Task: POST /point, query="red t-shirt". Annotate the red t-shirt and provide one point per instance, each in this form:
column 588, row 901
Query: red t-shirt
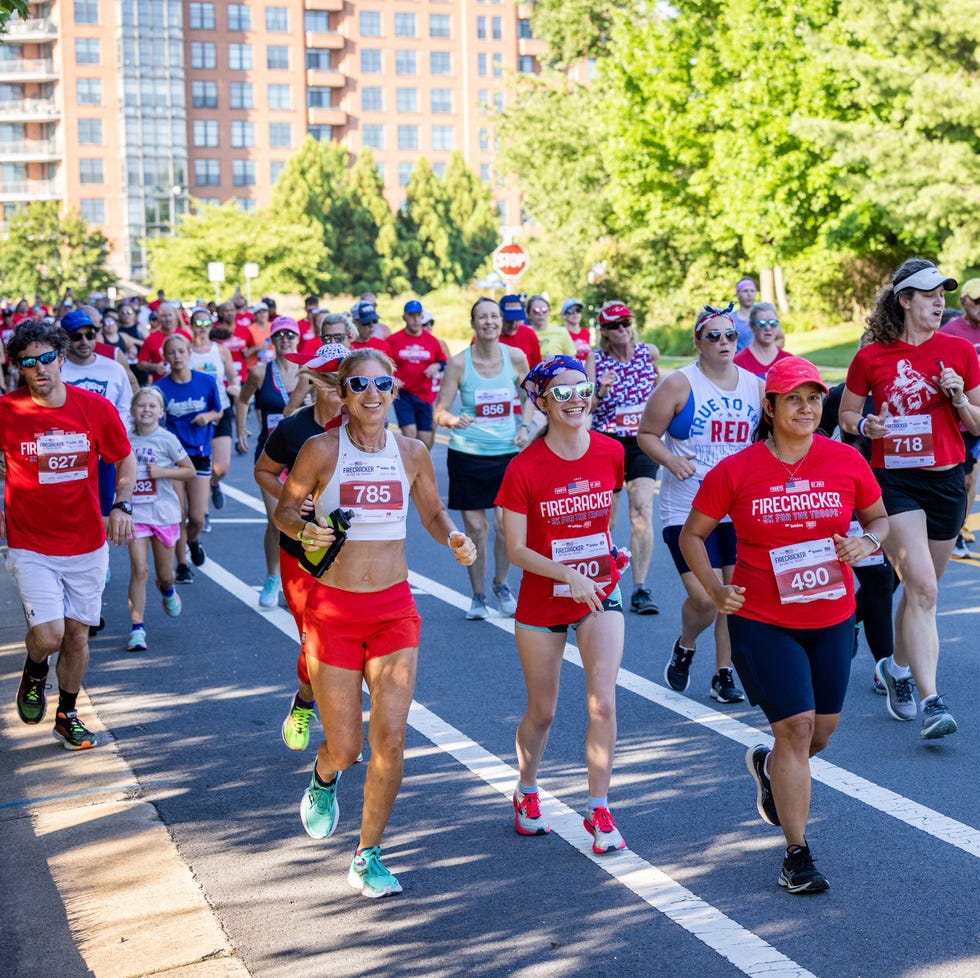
column 746, row 359
column 309, row 340
column 901, row 376
column 567, row 506
column 235, row 344
column 770, row 510
column 412, row 355
column 373, row 343
column 53, row 507
column 961, row 328
column 526, row 340
column 582, row 338
column 244, row 318
column 152, row 349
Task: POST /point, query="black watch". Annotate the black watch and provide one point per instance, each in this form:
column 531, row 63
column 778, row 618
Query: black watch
column 125, row 506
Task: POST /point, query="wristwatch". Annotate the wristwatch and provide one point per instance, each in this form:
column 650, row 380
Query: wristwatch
column 873, row 538
column 125, row 506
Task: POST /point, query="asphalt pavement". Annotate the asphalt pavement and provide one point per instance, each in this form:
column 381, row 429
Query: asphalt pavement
column 175, row 847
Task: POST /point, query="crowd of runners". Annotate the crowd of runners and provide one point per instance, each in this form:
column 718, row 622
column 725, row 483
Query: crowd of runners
column 125, row 415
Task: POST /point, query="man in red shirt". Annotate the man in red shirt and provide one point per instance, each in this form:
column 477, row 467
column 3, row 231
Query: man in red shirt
column 418, row 358
column 151, row 352
column 365, row 317
column 52, row 436
column 309, row 341
column 516, row 332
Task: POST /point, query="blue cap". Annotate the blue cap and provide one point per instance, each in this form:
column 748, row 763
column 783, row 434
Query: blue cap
column 75, row 319
column 571, row 304
column 512, row 308
column 413, row 305
column 364, row 312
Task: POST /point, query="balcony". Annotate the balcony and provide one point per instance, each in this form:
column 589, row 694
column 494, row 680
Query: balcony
column 318, row 78
column 325, row 39
column 28, row 70
column 21, row 31
column 334, row 6
column 534, row 46
column 17, row 190
column 30, row 150
column 525, row 10
column 29, row 110
column 322, row 116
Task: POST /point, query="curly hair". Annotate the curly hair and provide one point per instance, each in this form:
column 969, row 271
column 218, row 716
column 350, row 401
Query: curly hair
column 30, row 331
column 886, row 323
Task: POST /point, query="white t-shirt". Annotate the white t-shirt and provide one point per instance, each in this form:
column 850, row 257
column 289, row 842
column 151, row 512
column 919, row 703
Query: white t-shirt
column 101, row 376
column 155, row 501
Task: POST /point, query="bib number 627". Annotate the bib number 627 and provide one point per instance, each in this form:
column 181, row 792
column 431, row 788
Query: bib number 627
column 57, row 462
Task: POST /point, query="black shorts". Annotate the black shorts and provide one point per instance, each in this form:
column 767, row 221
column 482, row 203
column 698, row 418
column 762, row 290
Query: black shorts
column 970, row 446
column 787, row 671
column 612, row 602
column 223, row 428
column 412, row 410
column 940, row 495
column 720, row 544
column 474, row 480
column 638, row 465
column 202, row 465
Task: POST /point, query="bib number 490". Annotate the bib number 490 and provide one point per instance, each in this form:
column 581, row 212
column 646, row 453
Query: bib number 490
column 808, row 579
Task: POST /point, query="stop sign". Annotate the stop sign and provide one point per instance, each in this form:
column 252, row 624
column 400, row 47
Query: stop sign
column 510, row 260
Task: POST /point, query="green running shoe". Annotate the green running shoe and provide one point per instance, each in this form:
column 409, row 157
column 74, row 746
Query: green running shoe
column 319, row 809
column 368, row 874
column 296, row 726
column 32, row 701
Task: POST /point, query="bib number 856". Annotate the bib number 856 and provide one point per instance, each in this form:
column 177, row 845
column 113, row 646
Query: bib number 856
column 810, row 578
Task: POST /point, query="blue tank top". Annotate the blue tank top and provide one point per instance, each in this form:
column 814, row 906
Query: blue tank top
column 270, row 400
column 490, row 402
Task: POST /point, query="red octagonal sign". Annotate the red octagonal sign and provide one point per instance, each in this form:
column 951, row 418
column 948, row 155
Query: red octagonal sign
column 510, row 260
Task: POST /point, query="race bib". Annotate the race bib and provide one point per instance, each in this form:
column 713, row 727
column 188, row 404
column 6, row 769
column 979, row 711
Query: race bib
column 376, row 494
column 807, row 572
column 62, row 457
column 628, row 419
column 272, row 422
column 493, row 405
column 876, row 558
column 145, row 490
column 908, row 444
column 588, row 555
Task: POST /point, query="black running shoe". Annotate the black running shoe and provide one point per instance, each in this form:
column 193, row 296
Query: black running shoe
column 32, row 701
column 755, row 761
column 723, row 687
column 197, row 552
column 799, row 875
column 678, row 670
column 72, row 733
column 184, row 574
column 642, row 602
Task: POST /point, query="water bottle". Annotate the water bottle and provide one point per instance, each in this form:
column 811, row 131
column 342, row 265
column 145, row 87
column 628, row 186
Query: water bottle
column 316, row 562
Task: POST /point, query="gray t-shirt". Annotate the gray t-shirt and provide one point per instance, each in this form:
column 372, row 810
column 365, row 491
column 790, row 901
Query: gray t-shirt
column 155, row 501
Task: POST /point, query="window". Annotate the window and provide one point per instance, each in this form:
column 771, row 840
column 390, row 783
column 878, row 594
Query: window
column 89, row 91
column 204, row 95
column 404, row 25
column 207, row 173
column 277, row 57
column 370, row 23
column 318, row 59
column 439, row 26
column 408, row 137
column 240, row 57
column 239, row 17
column 90, row 132
column 277, row 20
column 242, row 134
column 484, row 140
column 381, row 171
column 319, row 98
column 243, row 173
column 280, row 135
column 481, row 65
column 405, row 63
column 374, row 137
column 481, row 28
column 483, row 99
column 90, row 171
column 322, row 134
column 93, row 210
column 485, row 172
column 204, row 54
column 202, row 16
column 524, row 29
column 205, row 132
column 498, row 101
column 240, row 95
column 86, row 11
column 86, row 50
column 407, row 99
column 280, row 97
column 442, row 100
column 498, row 28
column 316, row 21
column 443, row 137
column 275, row 168
column 525, row 64
column 370, row 61
column 245, row 203
column 404, row 173
column 498, row 65
column 440, row 63
column 372, row 99
column 439, row 169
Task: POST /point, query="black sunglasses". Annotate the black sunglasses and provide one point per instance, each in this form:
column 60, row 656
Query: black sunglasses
column 27, row 363
column 619, row 324
column 715, row 335
column 81, row 335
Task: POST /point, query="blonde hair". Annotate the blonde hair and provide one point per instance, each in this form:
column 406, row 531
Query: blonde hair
column 153, row 392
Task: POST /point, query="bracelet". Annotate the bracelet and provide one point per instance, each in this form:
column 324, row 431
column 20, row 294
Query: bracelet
column 454, row 533
column 962, row 403
column 861, row 424
column 522, row 425
column 299, row 533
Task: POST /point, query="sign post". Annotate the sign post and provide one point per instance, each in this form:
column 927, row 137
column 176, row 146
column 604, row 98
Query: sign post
column 216, row 274
column 510, row 261
column 250, row 270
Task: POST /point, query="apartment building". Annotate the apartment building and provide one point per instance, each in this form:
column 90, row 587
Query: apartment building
column 136, row 111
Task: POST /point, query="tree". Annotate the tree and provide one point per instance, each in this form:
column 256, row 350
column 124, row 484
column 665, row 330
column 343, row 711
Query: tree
column 423, row 229
column 11, row 8
column 470, row 212
column 45, row 251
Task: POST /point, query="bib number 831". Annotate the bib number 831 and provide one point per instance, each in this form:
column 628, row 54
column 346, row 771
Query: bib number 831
column 810, row 578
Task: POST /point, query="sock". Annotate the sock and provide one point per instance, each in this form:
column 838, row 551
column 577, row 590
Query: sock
column 523, row 789
column 896, row 671
column 66, row 701
column 594, row 803
column 765, row 766
column 684, row 648
column 138, row 624
column 36, row 670
column 297, row 701
column 927, row 699
column 320, row 783
column 167, row 590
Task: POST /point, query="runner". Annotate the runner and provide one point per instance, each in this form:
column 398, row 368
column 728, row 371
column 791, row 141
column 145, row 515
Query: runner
column 791, row 496
column 704, row 413
column 361, row 624
column 763, row 351
column 161, row 460
column 571, row 313
column 418, row 358
column 557, row 497
column 485, row 437
column 924, row 385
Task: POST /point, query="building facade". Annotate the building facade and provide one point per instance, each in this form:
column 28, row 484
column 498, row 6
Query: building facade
column 137, row 111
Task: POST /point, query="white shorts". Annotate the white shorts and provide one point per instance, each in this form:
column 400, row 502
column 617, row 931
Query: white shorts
column 52, row 588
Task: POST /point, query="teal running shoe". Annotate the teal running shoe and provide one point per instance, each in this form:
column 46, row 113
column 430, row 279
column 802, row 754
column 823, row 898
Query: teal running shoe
column 368, row 874
column 319, row 809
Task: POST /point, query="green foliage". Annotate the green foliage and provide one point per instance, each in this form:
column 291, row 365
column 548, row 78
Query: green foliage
column 45, row 251
column 424, row 232
column 9, row 8
column 470, row 217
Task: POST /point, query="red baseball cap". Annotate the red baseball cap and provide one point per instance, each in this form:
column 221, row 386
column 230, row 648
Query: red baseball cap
column 613, row 311
column 326, row 359
column 789, row 373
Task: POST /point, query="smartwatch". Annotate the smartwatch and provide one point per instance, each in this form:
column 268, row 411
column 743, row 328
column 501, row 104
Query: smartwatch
column 125, row 506
column 873, row 538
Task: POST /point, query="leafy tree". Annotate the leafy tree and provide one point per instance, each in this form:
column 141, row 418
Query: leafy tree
column 45, row 251
column 423, row 228
column 10, row 8
column 576, row 29
column 472, row 221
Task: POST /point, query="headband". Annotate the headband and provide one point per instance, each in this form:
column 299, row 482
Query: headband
column 709, row 312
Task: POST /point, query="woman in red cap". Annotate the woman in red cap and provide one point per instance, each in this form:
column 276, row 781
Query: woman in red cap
column 790, row 604
column 626, row 374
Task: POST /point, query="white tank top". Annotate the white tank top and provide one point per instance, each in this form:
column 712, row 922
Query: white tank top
column 373, row 485
column 211, row 363
column 713, row 424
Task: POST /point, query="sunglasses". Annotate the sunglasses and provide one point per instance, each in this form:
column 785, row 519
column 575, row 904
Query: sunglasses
column 359, row 384
column 715, row 335
column 765, row 323
column 201, row 322
column 286, row 334
column 621, row 324
column 28, row 363
column 81, row 335
column 333, row 337
column 563, row 392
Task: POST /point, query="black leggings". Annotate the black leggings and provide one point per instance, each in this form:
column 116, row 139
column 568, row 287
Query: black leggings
column 874, row 607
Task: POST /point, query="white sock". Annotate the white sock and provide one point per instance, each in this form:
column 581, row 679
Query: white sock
column 896, row 671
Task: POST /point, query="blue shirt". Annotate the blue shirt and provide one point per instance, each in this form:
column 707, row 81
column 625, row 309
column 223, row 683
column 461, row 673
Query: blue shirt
column 184, row 403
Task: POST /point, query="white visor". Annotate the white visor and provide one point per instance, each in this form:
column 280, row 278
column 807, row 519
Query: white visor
column 925, row 280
